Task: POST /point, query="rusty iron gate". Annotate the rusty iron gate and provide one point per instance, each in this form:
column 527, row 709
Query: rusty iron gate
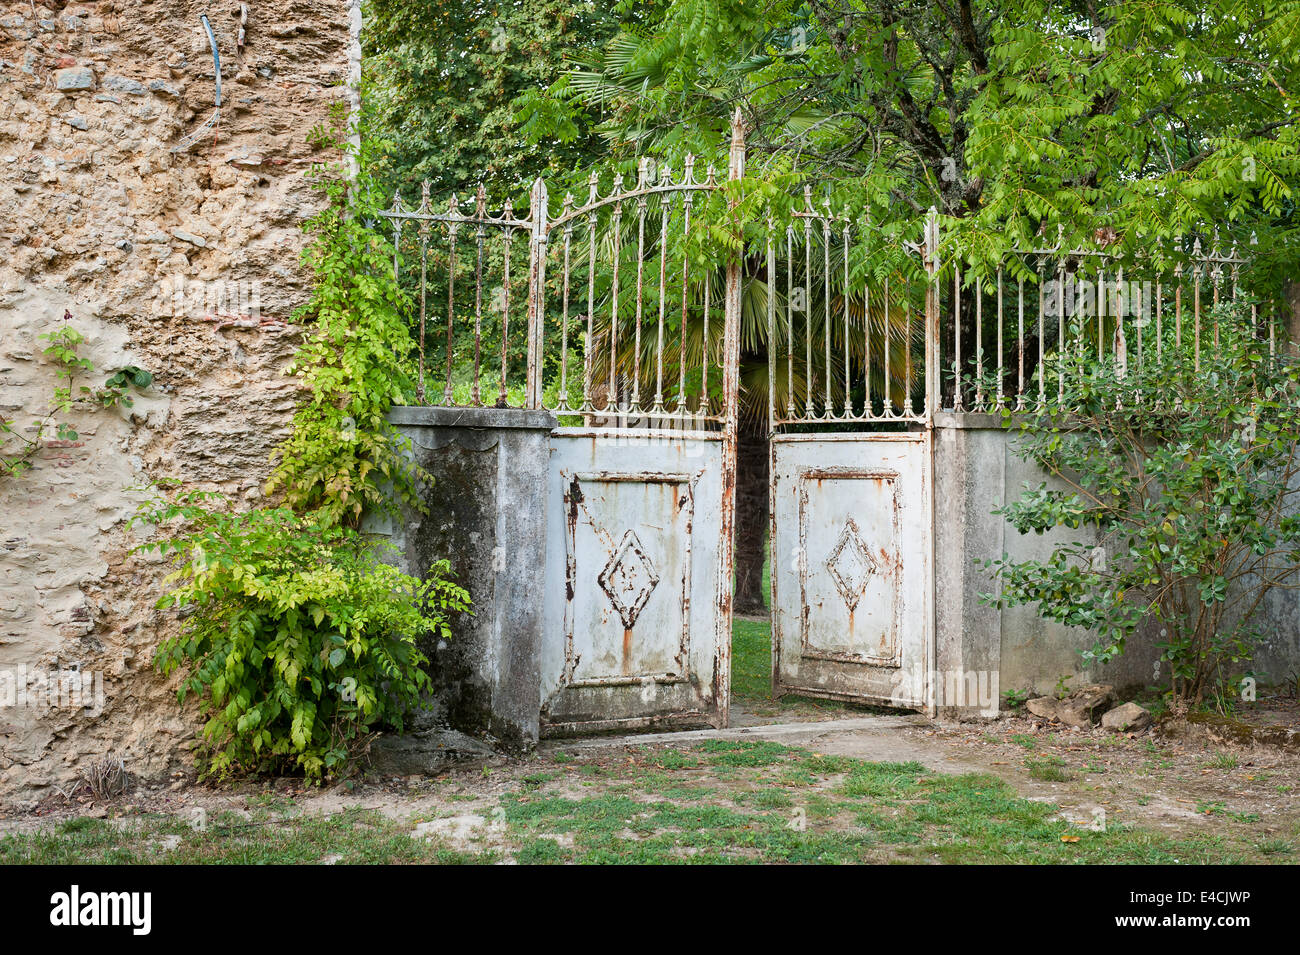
column 643, row 477
column 629, row 330
column 621, row 315
column 852, row 391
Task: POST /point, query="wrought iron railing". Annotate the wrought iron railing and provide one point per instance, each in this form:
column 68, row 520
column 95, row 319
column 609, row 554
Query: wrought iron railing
column 613, row 311
column 1005, row 324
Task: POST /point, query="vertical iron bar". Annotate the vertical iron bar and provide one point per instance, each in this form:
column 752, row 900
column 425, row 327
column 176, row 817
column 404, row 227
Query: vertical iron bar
column 844, row 307
column 611, row 399
column 887, row 407
column 771, row 328
column 1042, row 338
column 563, row 403
column 424, row 265
column 505, row 318
column 807, row 314
column 958, row 405
column 789, row 322
column 1020, row 343
column 663, row 297
column 827, row 410
column 866, row 329
column 479, row 236
column 907, row 347
column 589, row 349
column 1000, row 397
column 538, row 214
column 686, row 274
column 640, row 288
column 1060, row 332
column 452, row 227
column 932, row 382
column 730, row 437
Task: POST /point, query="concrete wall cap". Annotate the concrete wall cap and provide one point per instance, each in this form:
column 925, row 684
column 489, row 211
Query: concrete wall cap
column 429, row 417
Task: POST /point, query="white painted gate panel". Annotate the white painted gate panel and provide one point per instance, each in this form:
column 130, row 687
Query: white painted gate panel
column 851, row 578
column 632, row 624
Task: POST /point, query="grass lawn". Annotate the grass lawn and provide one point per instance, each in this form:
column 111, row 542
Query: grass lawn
column 712, row 802
column 716, row 802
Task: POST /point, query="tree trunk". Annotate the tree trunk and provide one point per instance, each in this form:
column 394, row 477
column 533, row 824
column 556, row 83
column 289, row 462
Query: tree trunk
column 751, row 516
column 1292, row 318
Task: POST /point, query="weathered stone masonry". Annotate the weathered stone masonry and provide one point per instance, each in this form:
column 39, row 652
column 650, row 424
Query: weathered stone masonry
column 101, row 218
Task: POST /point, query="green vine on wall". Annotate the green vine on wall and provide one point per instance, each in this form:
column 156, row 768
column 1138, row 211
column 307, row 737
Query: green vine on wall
column 343, row 456
column 298, row 639
column 27, row 443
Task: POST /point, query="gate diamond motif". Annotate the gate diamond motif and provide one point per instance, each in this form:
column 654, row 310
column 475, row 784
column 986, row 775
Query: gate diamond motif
column 851, row 564
column 629, row 578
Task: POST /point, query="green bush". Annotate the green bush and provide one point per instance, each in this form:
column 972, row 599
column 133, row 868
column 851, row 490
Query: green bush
column 1183, row 474
column 299, row 640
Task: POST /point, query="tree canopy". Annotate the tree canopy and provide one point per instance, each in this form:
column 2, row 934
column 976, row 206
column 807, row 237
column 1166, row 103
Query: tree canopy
column 1015, row 118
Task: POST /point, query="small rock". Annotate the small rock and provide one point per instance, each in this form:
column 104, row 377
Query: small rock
column 1130, row 716
column 1079, row 709
column 74, row 78
column 189, row 237
column 1045, row 706
column 123, row 84
column 163, row 87
column 1085, row 705
column 76, row 122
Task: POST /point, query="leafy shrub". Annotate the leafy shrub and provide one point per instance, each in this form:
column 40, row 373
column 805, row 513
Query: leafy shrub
column 1184, row 473
column 299, row 639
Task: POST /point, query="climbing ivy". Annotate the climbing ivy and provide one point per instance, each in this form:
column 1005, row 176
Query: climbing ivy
column 64, row 341
column 343, row 456
column 299, row 639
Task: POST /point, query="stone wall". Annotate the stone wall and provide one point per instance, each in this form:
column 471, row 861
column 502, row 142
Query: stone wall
column 181, row 262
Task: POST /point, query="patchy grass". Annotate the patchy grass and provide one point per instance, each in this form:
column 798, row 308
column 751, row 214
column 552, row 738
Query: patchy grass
column 751, row 680
column 751, row 660
column 1222, row 761
column 1050, row 769
column 715, row 802
column 826, row 809
column 352, row 836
